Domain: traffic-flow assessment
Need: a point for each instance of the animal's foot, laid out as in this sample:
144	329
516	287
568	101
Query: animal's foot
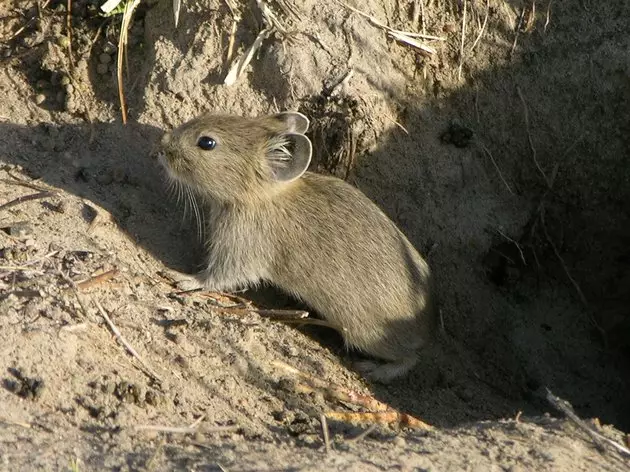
385	372
184	282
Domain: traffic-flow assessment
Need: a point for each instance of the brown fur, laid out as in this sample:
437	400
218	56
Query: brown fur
316	237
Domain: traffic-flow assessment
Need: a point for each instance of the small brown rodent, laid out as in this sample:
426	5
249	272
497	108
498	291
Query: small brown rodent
315	237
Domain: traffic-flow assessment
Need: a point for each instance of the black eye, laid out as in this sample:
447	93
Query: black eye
206	143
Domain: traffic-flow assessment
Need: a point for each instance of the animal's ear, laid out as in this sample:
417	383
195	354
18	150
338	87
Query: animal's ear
288	156
294	121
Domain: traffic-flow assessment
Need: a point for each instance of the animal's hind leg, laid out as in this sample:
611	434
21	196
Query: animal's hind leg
385	372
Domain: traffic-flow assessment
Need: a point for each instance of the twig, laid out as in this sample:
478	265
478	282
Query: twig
402	36
386	417
599	439
237	68
529	137
97	279
489	154
363	435
69	30
124	342
122	45
185	429
235	19
483	27
332	392
547	16
28	23
518	30
325	433
177	5
25	198
562	263
461	47
518	246
340	83
18	181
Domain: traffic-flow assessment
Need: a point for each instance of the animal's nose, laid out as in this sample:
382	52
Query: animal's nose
158	148
166	139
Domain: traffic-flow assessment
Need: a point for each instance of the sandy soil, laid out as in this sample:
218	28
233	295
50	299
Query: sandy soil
508	167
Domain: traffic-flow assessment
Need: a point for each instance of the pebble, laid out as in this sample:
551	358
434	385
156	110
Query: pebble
102	69
63	41
69	88
65	80
105	58
109	48
40	98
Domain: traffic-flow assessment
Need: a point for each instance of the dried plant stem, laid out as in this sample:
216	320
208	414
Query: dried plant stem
494	163
147	370
25	198
461	47
97	279
561	260
599	439
529	137
483	26
69	31
325	433
122	49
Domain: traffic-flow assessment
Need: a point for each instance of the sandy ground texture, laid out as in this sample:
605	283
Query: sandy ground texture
504	156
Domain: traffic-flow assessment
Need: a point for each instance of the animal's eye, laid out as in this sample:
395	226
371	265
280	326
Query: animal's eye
206	143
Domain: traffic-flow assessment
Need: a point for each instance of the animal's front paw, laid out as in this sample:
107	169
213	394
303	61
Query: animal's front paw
184	282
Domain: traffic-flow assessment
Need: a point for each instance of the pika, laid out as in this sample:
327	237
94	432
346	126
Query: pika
316	237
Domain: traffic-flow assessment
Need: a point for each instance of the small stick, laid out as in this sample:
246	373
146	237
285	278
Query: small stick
185	429
518	30
489	154
562	263
124	342
332	392
325	433
564	407
461	47
230	50
529	136
340	83
69	31
122	46
385	417
547	16
363	435
483	27
18	181
25	198
518	246
97	279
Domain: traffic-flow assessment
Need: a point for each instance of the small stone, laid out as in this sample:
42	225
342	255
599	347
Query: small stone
399	441
101	69
40	98
69	88
109	48
65	80
30	242
20	230
105	58
63	41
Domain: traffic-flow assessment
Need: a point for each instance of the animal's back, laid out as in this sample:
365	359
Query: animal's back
343	256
